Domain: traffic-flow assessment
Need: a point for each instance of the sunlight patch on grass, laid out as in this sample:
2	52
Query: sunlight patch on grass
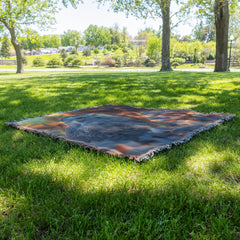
5	207
51	189
15	102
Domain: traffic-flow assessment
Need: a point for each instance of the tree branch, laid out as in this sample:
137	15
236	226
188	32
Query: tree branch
5	23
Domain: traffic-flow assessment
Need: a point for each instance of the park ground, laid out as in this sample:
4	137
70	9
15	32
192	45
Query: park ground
53	190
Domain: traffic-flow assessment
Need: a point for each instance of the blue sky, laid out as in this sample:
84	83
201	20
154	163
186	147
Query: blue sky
89	13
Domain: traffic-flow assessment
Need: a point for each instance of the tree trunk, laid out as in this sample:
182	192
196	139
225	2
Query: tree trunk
221	12
17	48
165	8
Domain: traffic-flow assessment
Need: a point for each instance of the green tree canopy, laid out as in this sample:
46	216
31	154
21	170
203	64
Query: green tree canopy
145	9
51	41
97	36
234	25
145	34
31	40
17	15
115	35
154	48
5	49
205	32
220	10
71	38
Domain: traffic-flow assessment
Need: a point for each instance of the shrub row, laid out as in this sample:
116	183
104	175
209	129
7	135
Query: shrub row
76	61
71	61
121	61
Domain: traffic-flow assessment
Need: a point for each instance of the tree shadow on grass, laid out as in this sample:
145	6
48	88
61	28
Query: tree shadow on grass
42	206
37	95
45	201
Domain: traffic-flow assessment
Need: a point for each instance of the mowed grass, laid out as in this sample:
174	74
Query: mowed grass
53	190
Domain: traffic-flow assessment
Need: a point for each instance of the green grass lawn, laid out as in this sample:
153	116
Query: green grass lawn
53	190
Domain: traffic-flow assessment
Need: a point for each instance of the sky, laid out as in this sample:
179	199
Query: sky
88	13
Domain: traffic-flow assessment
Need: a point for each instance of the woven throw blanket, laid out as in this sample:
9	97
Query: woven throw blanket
136	133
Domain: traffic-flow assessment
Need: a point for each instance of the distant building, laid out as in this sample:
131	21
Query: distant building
48	50
67	48
33	52
82	48
137	43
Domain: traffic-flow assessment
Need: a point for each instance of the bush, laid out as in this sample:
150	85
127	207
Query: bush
119	60
76	62
118	52
63	54
150	62
68	60
130	63
38	62
97	62
105	52
24	60
138	62
96	50
175	64
54	62
180	54
74	51
115	46
178	60
86	52
125	50
109	48
211	57
203	59
131	46
126	59
109	61
73	61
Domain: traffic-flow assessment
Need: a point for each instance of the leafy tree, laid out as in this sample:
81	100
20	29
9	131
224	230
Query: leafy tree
144	34
63	54
124	35
205	33
186	38
154	48
5	49
234	26
74	3
97	36
181	50
31	41
221	13
72	38
221	10
145	8
51	41
16	15
193	50
115	35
